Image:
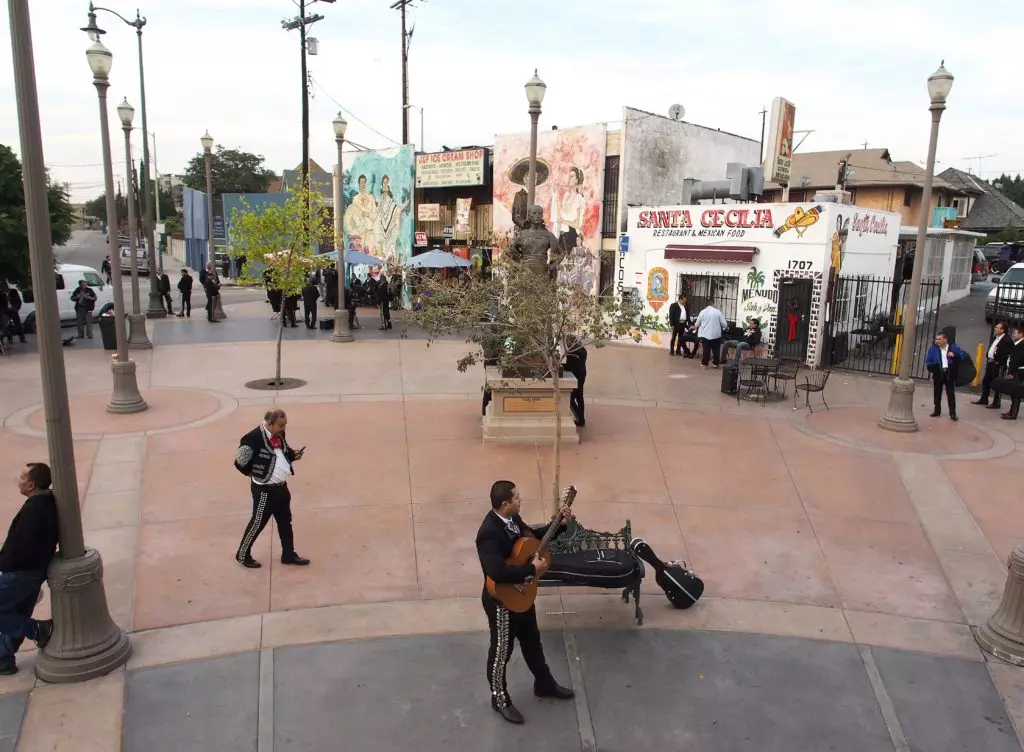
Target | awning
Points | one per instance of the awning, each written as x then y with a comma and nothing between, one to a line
728,254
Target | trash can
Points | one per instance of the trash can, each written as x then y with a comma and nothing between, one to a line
108,332
730,375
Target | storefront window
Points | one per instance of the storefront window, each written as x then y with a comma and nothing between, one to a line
702,289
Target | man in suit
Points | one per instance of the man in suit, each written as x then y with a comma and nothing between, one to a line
497,536
943,360
1013,383
677,319
998,352
576,364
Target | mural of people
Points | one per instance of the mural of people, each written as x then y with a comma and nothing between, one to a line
360,216
568,210
387,221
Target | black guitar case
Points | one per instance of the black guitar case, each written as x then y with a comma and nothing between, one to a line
600,567
682,587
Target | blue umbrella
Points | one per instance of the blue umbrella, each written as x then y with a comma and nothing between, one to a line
437,259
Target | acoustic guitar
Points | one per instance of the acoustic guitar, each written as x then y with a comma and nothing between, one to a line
519,598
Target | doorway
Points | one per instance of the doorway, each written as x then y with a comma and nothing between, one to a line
792,328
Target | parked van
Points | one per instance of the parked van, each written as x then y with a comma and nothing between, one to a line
66,279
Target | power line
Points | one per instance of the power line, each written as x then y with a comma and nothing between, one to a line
349,112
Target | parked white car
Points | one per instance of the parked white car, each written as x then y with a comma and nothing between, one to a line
1007,296
142,259
66,279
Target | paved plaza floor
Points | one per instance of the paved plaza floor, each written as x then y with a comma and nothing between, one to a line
845,566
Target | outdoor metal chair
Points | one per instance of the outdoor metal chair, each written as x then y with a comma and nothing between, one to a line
788,369
815,381
752,379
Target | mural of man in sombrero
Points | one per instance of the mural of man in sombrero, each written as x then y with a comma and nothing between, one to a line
518,174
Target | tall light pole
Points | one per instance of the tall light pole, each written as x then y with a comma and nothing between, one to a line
900,414
156,304
423,145
137,338
86,643
341,331
535,90
207,142
156,201
126,397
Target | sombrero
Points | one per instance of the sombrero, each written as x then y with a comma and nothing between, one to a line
518,172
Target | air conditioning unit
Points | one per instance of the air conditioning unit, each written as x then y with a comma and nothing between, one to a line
833,197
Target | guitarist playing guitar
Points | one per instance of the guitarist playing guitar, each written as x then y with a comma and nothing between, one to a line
495,541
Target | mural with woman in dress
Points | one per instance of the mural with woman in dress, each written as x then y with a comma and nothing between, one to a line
378,216
570,177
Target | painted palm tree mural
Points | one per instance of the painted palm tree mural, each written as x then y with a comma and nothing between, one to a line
755,278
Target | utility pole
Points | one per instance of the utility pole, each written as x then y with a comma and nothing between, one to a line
401,5
764,114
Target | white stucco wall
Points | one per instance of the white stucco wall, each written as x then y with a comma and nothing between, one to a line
659,153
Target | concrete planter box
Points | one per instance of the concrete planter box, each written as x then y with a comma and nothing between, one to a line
522,411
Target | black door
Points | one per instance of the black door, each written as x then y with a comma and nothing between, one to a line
792,329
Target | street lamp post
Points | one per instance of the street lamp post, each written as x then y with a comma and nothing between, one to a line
207,142
156,308
137,338
126,397
900,414
535,90
341,331
85,643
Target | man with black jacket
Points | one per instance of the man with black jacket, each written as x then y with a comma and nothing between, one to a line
995,360
751,338
211,284
10,304
310,294
677,319
84,300
185,288
163,286
266,459
1013,382
26,554
576,364
497,536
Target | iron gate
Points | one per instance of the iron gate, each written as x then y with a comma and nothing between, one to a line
865,327
723,290
1007,303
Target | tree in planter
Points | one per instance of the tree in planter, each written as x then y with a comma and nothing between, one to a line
521,321
275,238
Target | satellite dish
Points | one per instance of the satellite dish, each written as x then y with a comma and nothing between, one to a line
676,112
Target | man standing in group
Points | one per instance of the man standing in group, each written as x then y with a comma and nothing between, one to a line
710,325
84,298
497,536
211,285
943,361
106,269
10,305
265,457
26,554
384,293
677,319
185,288
576,364
310,294
995,361
164,288
1013,382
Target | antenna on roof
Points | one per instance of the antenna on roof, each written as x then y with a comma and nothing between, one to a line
676,112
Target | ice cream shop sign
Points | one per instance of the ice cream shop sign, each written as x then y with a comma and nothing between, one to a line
730,222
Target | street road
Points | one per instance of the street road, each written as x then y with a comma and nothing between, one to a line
968,316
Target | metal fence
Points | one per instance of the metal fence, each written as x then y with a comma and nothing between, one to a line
700,289
1006,304
865,328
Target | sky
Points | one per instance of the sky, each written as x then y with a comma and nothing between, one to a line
855,69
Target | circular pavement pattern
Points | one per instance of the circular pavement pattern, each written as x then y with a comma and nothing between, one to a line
168,408
857,428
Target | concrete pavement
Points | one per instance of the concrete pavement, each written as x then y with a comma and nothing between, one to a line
843,565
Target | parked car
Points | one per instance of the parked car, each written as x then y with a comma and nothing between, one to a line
141,256
980,271
1002,256
1006,300
66,278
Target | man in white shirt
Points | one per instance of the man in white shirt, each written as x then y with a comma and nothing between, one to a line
995,361
710,325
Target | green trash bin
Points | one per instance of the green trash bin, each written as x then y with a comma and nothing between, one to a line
108,332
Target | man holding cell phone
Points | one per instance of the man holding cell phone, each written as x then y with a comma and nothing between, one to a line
265,457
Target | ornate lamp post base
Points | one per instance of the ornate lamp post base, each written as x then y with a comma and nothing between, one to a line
341,331
156,308
137,338
1003,634
86,643
900,415
126,398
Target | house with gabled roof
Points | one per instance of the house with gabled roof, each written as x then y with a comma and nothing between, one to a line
983,207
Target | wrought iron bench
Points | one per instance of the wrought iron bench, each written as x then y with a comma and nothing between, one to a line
576,538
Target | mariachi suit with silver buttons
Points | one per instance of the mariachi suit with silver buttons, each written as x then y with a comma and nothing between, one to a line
494,543
257,459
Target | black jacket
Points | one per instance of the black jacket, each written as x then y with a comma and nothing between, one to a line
84,298
752,338
494,544
164,284
675,315
32,538
13,300
310,295
185,284
256,458
1015,361
1003,350
576,363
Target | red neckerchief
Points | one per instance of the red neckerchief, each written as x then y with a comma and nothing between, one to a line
275,442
